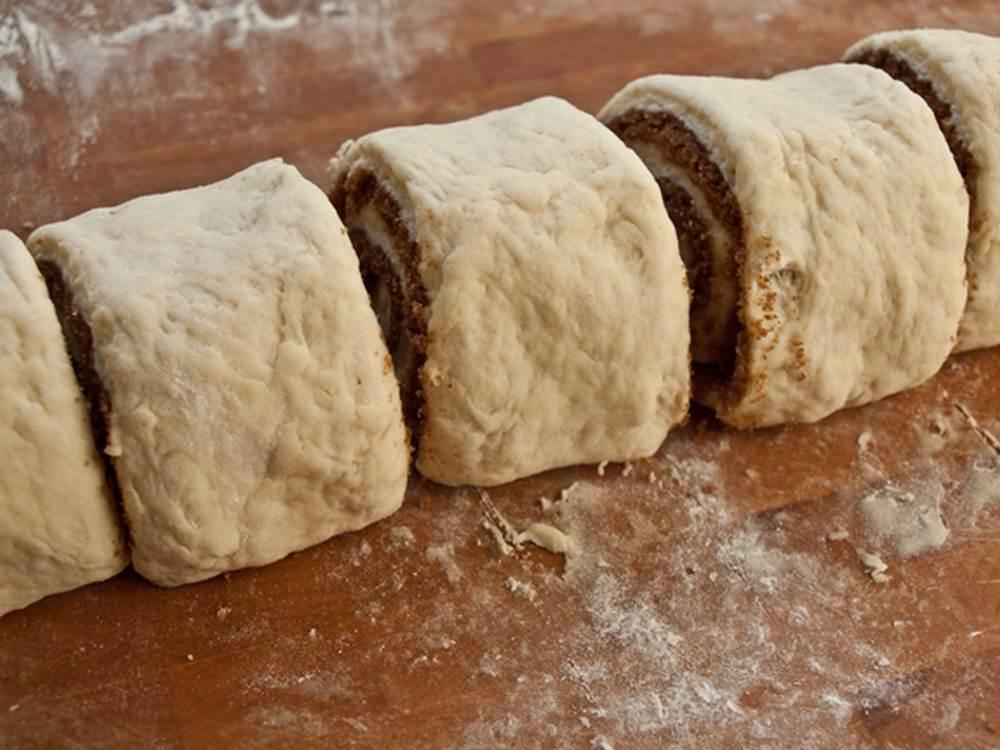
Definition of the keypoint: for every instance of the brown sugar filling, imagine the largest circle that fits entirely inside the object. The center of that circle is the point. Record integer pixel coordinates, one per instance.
(79, 342)
(399, 300)
(678, 146)
(944, 113)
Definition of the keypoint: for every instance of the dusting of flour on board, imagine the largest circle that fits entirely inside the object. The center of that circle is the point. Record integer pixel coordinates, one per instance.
(693, 600)
(681, 616)
(62, 54)
(146, 58)
(675, 615)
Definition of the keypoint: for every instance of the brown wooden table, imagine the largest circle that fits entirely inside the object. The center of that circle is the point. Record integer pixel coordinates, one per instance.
(704, 605)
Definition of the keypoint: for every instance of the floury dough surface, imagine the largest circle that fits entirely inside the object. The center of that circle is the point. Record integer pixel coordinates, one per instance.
(854, 222)
(254, 408)
(963, 68)
(58, 528)
(558, 312)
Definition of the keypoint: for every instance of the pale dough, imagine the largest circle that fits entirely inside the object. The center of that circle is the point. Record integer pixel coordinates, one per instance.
(254, 408)
(58, 528)
(558, 312)
(964, 70)
(854, 223)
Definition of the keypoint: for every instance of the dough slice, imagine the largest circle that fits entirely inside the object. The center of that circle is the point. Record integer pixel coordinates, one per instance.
(958, 74)
(822, 220)
(58, 528)
(250, 404)
(529, 284)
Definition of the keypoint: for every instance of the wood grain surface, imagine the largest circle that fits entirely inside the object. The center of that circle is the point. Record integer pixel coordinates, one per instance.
(704, 604)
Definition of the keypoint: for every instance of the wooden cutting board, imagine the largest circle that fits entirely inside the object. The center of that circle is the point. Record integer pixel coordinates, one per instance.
(715, 595)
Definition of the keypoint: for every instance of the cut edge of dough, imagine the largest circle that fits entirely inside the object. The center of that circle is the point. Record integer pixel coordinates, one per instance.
(389, 258)
(702, 204)
(910, 72)
(78, 340)
(119, 560)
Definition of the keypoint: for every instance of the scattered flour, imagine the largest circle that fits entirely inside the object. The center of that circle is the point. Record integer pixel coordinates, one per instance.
(911, 523)
(522, 588)
(634, 624)
(237, 18)
(444, 555)
(567, 492)
(982, 491)
(950, 713)
(984, 434)
(149, 58)
(402, 535)
(747, 554)
(10, 87)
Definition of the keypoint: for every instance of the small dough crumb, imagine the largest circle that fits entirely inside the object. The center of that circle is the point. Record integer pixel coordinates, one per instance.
(547, 537)
(627, 469)
(113, 447)
(190, 657)
(874, 566)
(864, 440)
(509, 539)
(601, 467)
(836, 536)
(567, 492)
(522, 588)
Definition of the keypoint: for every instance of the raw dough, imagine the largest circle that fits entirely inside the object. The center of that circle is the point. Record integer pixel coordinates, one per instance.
(963, 72)
(544, 272)
(58, 528)
(849, 265)
(253, 407)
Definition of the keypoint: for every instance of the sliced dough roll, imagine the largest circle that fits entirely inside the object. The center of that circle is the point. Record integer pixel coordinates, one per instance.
(958, 74)
(822, 220)
(226, 335)
(530, 287)
(58, 528)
